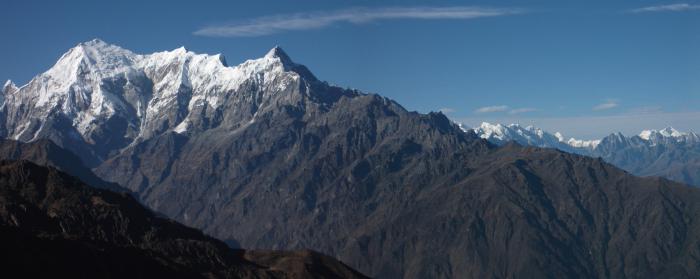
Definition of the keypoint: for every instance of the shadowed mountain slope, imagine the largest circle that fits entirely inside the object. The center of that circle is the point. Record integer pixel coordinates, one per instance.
(54, 225)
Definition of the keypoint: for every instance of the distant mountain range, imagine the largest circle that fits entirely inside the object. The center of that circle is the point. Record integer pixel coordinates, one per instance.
(667, 152)
(263, 155)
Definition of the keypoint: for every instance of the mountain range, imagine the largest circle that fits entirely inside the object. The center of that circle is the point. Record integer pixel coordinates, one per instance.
(264, 155)
(667, 152)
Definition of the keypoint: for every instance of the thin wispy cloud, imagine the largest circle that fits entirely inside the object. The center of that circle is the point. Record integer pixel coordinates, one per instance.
(680, 7)
(267, 25)
(448, 110)
(610, 104)
(521, 110)
(491, 109)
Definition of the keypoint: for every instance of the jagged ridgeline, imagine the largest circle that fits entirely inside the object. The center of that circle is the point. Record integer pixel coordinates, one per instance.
(264, 155)
(668, 152)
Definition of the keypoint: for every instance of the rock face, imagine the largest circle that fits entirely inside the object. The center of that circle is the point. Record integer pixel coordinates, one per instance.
(675, 156)
(266, 155)
(668, 153)
(46, 153)
(54, 225)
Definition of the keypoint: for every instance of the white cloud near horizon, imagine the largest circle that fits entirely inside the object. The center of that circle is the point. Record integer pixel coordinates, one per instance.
(680, 7)
(491, 109)
(447, 110)
(268, 25)
(606, 105)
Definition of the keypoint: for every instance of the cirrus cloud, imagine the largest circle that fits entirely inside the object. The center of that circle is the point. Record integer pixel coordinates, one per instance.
(606, 105)
(491, 109)
(268, 25)
(680, 7)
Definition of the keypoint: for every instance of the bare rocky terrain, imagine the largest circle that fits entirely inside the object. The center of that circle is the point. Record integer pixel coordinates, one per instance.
(53, 225)
(266, 156)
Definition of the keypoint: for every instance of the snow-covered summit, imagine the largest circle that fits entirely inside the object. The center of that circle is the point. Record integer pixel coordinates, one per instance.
(530, 135)
(499, 134)
(669, 133)
(666, 132)
(9, 87)
(96, 82)
(495, 131)
(582, 143)
(277, 53)
(95, 57)
(86, 65)
(94, 60)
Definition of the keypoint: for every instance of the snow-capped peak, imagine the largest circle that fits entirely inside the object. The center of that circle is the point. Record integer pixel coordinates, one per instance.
(646, 134)
(559, 136)
(582, 143)
(102, 55)
(487, 130)
(530, 135)
(9, 86)
(668, 132)
(277, 52)
(577, 143)
(91, 61)
(94, 81)
(95, 57)
(501, 134)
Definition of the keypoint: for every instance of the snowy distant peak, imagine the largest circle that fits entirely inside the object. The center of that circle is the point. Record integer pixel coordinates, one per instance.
(508, 132)
(652, 141)
(559, 136)
(487, 130)
(646, 134)
(668, 133)
(530, 135)
(582, 143)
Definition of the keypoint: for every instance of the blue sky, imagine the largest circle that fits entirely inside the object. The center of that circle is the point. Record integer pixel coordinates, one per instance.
(585, 68)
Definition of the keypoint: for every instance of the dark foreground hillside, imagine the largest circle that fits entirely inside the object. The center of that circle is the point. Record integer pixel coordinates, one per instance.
(52, 225)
